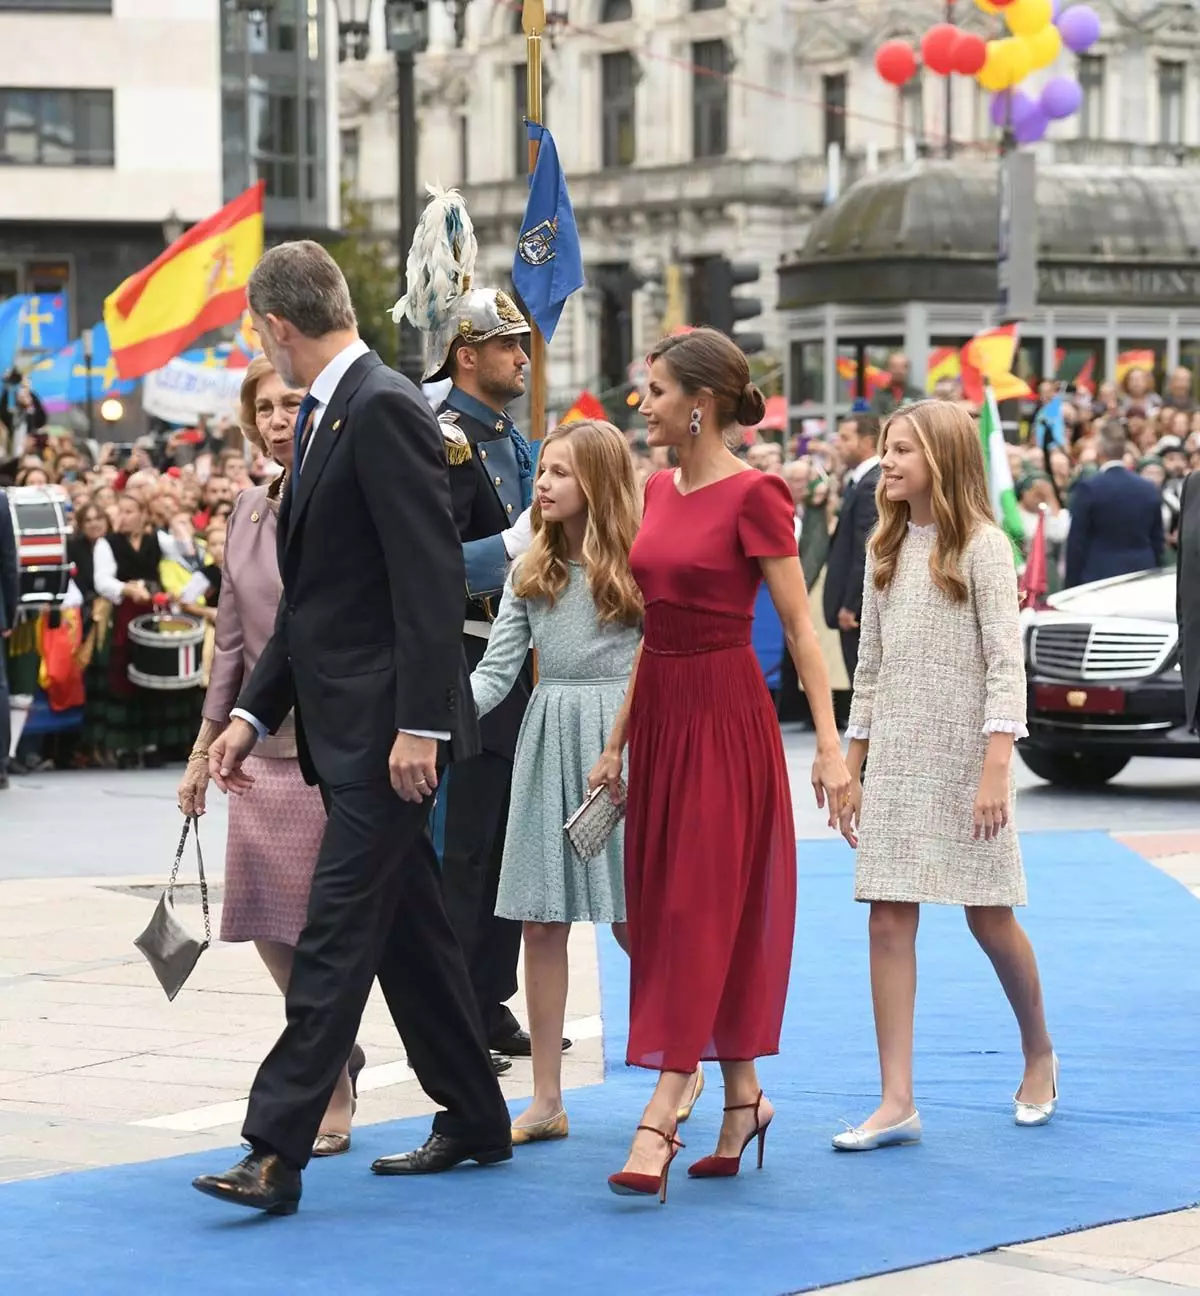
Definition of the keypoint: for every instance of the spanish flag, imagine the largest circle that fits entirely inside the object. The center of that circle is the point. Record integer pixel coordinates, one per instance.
(586, 407)
(988, 358)
(197, 284)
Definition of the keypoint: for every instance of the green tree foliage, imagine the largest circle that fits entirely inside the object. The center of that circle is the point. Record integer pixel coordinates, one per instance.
(367, 259)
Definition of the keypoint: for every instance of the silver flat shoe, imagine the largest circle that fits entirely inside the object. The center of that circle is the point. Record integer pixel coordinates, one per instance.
(325, 1145)
(1030, 1114)
(867, 1140)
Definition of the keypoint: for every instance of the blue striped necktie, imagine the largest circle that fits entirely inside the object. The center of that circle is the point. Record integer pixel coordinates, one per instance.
(307, 405)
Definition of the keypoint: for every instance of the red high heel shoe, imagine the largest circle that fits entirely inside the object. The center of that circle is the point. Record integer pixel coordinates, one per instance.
(723, 1167)
(627, 1183)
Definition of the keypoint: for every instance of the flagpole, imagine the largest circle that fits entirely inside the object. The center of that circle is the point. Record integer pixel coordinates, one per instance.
(533, 23)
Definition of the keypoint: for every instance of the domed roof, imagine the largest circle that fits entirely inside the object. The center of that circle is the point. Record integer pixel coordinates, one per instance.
(948, 210)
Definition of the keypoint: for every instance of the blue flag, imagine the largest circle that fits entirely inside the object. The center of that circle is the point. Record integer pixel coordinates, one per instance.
(10, 328)
(1050, 425)
(548, 266)
(65, 378)
(32, 322)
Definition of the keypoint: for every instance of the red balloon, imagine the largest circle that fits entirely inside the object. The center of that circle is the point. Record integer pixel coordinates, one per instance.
(937, 48)
(970, 53)
(895, 62)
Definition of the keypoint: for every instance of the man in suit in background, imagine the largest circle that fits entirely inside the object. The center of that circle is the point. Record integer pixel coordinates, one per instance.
(1187, 597)
(9, 601)
(367, 648)
(1116, 517)
(858, 444)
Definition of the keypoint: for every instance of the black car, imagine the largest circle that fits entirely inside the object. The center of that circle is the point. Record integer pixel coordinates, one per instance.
(1102, 664)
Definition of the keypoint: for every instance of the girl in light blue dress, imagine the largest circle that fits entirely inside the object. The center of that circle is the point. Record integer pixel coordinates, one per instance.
(573, 599)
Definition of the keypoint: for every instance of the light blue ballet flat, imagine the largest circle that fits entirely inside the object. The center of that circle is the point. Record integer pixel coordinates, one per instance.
(867, 1140)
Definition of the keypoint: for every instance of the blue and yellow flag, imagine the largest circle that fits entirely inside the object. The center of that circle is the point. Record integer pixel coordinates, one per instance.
(34, 322)
(548, 266)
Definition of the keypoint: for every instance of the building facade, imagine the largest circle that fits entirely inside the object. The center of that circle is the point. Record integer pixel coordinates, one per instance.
(125, 118)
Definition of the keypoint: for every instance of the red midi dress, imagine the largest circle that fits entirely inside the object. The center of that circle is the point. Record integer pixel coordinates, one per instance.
(710, 851)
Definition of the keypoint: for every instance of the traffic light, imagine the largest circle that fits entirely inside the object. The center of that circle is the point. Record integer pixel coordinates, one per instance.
(725, 308)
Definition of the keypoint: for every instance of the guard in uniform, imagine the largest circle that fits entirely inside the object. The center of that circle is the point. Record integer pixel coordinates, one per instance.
(476, 337)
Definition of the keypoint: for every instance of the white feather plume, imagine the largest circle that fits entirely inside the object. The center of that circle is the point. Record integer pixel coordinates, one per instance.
(441, 261)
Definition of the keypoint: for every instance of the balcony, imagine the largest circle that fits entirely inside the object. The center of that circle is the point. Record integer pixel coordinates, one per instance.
(1122, 153)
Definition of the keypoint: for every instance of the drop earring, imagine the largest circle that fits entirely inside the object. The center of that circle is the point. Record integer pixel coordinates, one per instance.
(694, 424)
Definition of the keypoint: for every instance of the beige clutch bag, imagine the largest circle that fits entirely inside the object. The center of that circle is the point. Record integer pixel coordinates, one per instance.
(590, 827)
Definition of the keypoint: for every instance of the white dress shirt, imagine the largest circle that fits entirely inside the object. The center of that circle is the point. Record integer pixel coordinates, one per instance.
(322, 391)
(857, 474)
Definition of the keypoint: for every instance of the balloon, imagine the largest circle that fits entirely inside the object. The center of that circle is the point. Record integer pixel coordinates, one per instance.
(1024, 17)
(895, 62)
(994, 73)
(1080, 27)
(1061, 96)
(1025, 110)
(1043, 46)
(993, 6)
(1018, 58)
(937, 48)
(1007, 106)
(970, 53)
(1032, 127)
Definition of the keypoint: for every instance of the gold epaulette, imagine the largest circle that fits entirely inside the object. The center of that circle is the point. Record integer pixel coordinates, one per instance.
(458, 448)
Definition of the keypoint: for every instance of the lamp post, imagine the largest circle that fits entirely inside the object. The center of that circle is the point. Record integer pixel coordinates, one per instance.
(86, 338)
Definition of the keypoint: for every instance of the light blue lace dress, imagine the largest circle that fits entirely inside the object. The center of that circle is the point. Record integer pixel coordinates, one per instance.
(583, 670)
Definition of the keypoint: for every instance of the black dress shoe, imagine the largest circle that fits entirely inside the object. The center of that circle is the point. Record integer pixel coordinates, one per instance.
(441, 1152)
(518, 1044)
(501, 1064)
(263, 1181)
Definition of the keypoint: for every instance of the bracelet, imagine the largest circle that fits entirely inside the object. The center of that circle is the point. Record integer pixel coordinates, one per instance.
(198, 753)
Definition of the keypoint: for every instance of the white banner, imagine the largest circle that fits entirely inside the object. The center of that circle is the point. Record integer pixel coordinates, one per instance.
(181, 391)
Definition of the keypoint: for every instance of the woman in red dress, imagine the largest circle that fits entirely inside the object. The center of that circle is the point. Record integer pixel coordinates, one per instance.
(710, 852)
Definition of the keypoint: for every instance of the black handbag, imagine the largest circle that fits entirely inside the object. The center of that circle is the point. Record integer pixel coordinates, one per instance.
(170, 948)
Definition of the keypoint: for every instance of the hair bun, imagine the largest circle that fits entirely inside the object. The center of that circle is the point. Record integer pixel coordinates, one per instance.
(752, 407)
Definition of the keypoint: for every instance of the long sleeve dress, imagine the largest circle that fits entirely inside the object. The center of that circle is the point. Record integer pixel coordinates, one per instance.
(935, 678)
(583, 671)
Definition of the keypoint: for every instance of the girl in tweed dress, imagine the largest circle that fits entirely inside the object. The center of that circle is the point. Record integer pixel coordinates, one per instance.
(574, 599)
(939, 698)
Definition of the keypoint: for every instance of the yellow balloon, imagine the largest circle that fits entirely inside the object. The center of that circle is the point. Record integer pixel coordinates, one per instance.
(1044, 46)
(1020, 60)
(993, 75)
(1026, 17)
(988, 7)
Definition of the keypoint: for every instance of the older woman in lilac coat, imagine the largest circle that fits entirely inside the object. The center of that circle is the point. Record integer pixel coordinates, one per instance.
(275, 830)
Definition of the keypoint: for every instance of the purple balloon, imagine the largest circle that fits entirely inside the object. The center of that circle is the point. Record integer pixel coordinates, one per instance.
(1079, 27)
(1009, 107)
(1032, 126)
(1061, 96)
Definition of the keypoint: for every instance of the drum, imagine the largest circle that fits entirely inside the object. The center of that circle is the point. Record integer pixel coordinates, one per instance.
(166, 650)
(39, 522)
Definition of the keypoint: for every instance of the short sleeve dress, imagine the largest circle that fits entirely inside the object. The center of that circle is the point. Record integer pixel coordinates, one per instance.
(710, 851)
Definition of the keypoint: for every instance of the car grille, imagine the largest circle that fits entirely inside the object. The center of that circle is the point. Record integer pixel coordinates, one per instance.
(1100, 652)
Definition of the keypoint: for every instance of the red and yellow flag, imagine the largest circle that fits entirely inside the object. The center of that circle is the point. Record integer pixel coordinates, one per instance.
(991, 355)
(197, 284)
(1128, 360)
(586, 407)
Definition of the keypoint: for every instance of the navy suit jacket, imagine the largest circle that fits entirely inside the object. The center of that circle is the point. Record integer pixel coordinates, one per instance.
(1116, 527)
(9, 588)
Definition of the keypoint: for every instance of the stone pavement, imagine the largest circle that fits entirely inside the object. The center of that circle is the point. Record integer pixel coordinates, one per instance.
(96, 1067)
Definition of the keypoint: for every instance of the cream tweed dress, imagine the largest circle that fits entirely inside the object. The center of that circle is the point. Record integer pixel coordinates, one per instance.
(934, 679)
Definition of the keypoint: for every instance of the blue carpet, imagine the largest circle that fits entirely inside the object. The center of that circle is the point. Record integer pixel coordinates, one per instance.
(1117, 942)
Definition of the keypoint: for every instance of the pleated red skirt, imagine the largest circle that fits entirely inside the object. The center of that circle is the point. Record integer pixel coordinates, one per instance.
(710, 853)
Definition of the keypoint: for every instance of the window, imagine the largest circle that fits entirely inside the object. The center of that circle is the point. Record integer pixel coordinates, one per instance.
(56, 127)
(283, 21)
(350, 140)
(274, 130)
(616, 10)
(1170, 102)
(833, 97)
(710, 99)
(807, 373)
(911, 114)
(698, 6)
(60, 6)
(521, 134)
(618, 100)
(1091, 79)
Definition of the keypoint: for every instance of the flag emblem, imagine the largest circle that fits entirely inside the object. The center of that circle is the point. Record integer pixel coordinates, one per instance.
(536, 246)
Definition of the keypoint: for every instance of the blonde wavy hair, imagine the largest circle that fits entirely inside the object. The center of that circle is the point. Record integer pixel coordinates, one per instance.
(256, 371)
(604, 469)
(949, 439)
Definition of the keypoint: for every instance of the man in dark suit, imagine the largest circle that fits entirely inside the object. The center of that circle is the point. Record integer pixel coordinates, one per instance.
(491, 485)
(858, 444)
(9, 601)
(1187, 597)
(1116, 518)
(367, 649)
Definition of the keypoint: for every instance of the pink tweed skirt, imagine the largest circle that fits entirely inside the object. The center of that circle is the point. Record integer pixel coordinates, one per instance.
(275, 831)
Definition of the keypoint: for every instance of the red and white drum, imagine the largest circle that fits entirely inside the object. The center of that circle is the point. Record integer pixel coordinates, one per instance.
(40, 524)
(166, 650)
